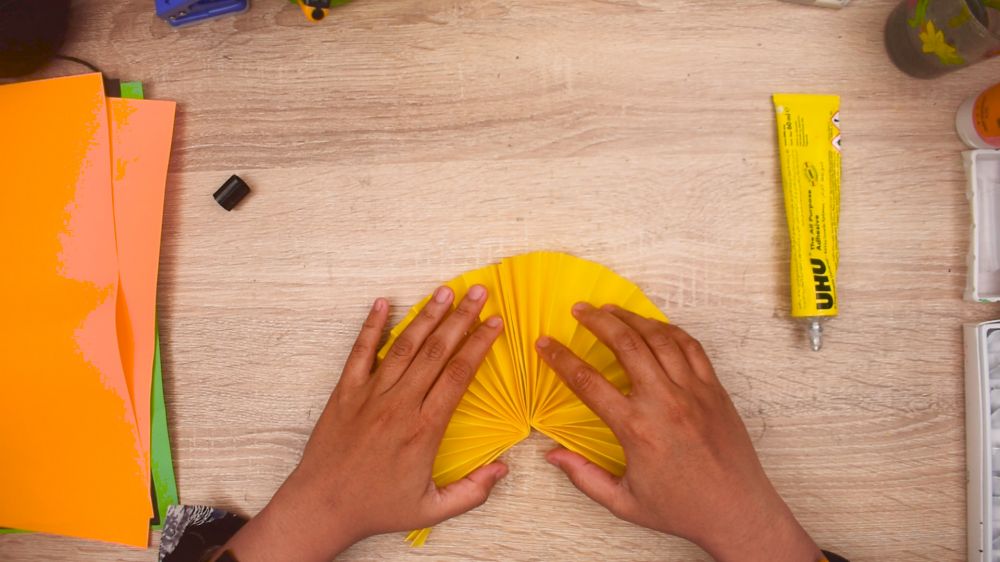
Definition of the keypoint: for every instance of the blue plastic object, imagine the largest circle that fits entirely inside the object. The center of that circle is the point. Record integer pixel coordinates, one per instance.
(185, 12)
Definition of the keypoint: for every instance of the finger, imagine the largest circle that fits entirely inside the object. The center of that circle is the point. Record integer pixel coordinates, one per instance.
(406, 345)
(466, 494)
(593, 389)
(628, 346)
(454, 379)
(358, 368)
(681, 355)
(439, 347)
(597, 483)
(661, 342)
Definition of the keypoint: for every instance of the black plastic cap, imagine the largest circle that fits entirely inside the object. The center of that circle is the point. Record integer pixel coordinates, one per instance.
(231, 192)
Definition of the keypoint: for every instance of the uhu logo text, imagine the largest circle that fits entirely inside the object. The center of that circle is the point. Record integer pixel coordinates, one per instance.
(824, 289)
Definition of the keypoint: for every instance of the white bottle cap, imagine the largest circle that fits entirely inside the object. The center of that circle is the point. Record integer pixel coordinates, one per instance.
(966, 128)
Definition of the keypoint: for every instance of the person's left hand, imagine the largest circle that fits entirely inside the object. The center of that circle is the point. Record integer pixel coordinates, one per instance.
(367, 467)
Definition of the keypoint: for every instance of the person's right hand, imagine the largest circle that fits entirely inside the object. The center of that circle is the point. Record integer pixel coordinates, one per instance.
(691, 469)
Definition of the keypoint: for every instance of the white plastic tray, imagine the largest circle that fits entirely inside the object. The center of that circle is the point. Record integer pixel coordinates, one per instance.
(982, 168)
(981, 443)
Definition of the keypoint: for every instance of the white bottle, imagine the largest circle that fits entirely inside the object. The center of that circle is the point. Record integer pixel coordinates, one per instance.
(978, 119)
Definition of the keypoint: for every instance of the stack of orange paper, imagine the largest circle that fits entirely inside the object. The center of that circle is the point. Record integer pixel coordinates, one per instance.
(82, 181)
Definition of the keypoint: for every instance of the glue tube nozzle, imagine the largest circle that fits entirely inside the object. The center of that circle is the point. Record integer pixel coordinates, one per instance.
(815, 330)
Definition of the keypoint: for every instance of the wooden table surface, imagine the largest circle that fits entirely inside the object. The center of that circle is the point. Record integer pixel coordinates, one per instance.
(400, 143)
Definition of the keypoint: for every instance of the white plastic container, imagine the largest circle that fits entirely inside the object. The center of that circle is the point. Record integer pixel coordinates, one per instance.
(982, 168)
(977, 120)
(982, 436)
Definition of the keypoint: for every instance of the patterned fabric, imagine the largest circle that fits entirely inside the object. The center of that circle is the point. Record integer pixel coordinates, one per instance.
(193, 533)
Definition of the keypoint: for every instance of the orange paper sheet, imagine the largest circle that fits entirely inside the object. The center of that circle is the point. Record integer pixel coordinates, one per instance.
(141, 131)
(71, 459)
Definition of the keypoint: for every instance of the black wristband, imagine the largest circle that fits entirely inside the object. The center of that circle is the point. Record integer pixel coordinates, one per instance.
(832, 557)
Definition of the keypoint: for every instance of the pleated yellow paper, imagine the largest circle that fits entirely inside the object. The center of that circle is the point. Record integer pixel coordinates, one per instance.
(514, 390)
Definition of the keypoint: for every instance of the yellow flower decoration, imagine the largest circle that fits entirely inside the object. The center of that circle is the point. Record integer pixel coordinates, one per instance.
(934, 42)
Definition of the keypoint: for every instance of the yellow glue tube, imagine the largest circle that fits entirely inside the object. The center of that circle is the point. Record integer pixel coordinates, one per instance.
(809, 148)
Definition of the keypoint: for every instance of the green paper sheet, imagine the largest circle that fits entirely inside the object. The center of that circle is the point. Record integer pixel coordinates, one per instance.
(132, 90)
(161, 461)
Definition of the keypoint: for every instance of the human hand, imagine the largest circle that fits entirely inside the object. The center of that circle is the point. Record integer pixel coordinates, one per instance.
(367, 466)
(691, 469)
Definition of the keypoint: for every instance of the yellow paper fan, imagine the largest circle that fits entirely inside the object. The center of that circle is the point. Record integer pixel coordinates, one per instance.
(514, 390)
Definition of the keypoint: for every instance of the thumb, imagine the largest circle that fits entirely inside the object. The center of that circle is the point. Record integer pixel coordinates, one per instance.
(599, 484)
(468, 493)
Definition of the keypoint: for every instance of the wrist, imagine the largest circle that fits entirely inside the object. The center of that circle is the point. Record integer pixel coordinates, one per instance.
(293, 526)
(772, 536)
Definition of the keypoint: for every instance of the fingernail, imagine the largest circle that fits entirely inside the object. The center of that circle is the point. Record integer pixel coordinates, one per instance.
(543, 342)
(500, 472)
(494, 321)
(379, 305)
(442, 294)
(477, 292)
(551, 460)
(579, 308)
(610, 307)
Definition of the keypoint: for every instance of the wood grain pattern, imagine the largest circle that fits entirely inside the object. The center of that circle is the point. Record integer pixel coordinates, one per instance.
(400, 143)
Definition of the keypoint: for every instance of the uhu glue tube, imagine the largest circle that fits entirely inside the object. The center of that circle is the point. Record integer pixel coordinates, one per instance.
(809, 148)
